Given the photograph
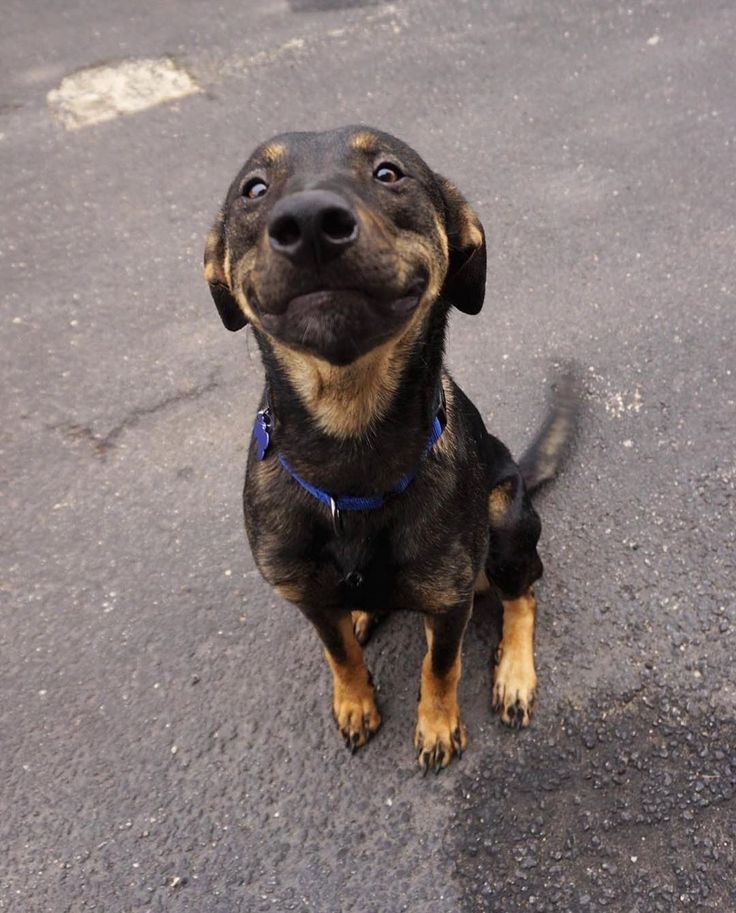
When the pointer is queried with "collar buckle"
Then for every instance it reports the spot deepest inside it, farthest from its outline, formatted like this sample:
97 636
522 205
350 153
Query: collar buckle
262 433
336 516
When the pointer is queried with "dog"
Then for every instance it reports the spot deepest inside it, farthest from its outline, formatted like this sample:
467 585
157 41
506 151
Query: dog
372 483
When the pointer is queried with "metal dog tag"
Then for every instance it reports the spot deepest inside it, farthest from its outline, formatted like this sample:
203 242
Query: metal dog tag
261 433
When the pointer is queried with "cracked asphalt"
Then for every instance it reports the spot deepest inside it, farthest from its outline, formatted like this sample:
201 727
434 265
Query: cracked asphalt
164 718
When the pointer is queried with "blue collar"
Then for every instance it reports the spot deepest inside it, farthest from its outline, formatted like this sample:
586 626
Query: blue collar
262 432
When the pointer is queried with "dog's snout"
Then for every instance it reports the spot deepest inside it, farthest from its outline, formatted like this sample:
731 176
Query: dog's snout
312 226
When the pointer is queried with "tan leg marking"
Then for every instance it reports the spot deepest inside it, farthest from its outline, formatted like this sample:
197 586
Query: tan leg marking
514 679
440 733
363 624
482 584
499 501
353 704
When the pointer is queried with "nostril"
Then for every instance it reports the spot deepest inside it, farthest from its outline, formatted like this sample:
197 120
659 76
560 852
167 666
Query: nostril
285 231
339 225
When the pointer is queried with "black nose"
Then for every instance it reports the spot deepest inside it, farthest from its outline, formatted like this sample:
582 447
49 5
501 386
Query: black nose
312 226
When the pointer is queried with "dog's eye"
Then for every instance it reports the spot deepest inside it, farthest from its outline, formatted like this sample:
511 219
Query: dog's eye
254 188
387 173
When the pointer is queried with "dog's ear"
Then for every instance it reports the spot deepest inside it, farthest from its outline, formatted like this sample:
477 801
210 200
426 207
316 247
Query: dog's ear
215 272
465 283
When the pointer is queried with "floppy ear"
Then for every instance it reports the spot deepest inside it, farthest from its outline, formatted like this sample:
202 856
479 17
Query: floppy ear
215 274
465 283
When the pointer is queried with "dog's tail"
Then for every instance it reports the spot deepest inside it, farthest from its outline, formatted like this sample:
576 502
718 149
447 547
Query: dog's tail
546 454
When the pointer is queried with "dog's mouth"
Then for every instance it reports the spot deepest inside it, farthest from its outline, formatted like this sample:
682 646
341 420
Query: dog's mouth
338 324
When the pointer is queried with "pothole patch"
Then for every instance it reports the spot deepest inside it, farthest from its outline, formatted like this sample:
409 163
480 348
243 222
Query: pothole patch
102 93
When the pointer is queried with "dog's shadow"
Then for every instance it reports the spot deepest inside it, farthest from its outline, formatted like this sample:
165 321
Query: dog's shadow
484 629
479 650
397 647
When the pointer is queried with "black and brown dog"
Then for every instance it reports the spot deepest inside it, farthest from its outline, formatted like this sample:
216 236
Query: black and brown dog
372 483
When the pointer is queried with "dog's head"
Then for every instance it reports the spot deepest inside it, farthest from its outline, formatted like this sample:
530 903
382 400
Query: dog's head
333 243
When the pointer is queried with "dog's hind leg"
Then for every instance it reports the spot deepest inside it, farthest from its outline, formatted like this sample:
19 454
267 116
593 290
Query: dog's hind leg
513 564
482 584
363 625
514 678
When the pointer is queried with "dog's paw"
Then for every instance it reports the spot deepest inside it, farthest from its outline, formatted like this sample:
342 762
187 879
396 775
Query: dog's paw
514 689
363 624
357 716
438 738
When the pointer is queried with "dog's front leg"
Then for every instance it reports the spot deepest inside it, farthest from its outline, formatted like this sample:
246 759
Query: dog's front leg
440 733
353 702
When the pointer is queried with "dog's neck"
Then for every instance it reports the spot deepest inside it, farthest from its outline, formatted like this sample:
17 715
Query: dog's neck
359 428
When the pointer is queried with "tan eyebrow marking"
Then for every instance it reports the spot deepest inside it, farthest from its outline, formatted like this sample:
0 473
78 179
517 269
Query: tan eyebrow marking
472 234
273 153
364 142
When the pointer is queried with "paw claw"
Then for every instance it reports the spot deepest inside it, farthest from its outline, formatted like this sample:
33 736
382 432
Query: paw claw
357 718
514 689
438 744
515 712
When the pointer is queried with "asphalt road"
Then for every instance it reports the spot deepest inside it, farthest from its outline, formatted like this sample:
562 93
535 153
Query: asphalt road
164 723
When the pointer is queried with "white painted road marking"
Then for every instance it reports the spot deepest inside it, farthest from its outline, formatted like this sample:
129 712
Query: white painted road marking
103 93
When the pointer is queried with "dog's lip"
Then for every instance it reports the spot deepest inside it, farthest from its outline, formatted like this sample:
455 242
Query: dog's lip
329 296
339 324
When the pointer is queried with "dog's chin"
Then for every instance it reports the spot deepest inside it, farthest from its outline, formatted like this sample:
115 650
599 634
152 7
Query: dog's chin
338 326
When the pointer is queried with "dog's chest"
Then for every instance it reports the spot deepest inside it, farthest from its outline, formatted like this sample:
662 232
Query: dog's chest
364 571
378 571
